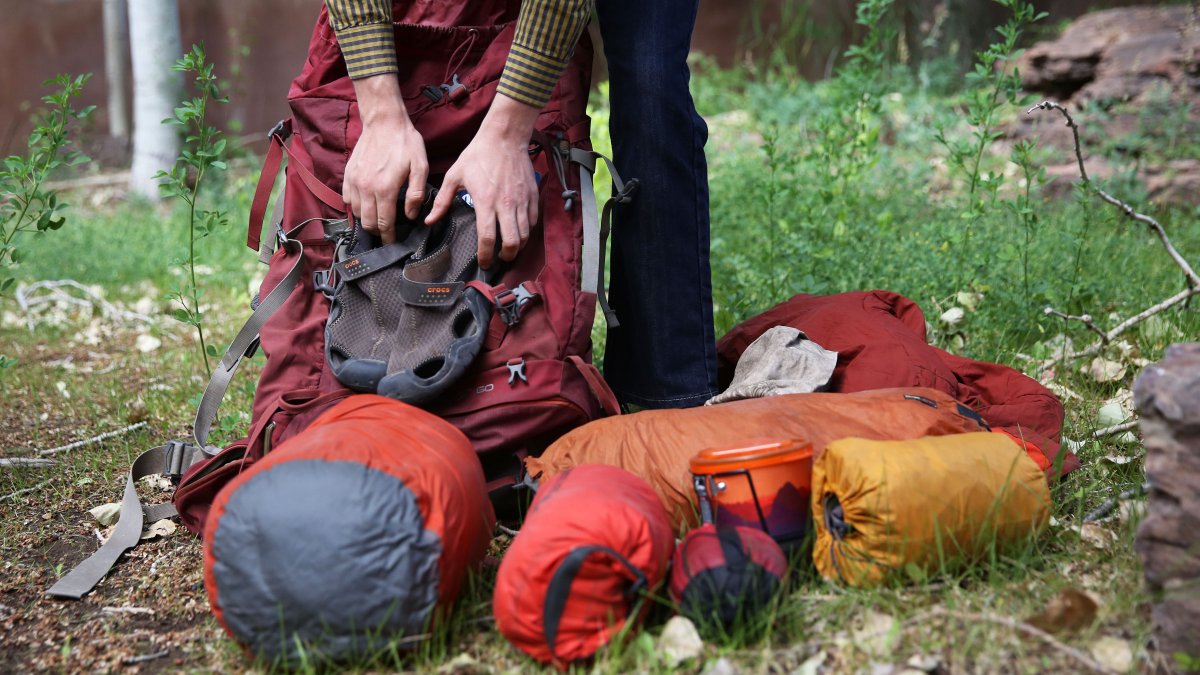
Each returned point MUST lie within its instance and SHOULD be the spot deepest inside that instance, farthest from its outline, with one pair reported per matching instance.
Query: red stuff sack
(351, 534)
(723, 577)
(595, 540)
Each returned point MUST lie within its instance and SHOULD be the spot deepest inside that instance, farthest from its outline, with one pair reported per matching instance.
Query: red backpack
(541, 332)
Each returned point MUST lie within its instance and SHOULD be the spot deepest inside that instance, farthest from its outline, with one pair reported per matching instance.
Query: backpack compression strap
(596, 234)
(176, 457)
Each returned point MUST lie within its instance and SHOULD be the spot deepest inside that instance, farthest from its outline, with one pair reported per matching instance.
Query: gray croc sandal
(402, 322)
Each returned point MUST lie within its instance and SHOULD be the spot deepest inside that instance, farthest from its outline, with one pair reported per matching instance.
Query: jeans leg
(663, 355)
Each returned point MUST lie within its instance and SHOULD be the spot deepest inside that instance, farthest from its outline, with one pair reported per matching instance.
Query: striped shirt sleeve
(547, 31)
(364, 33)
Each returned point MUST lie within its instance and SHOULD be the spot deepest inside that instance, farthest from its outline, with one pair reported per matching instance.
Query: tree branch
(1192, 279)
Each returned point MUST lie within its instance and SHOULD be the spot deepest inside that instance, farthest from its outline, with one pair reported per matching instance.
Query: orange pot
(762, 484)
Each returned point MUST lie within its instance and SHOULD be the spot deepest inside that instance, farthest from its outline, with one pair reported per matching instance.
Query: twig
(506, 530)
(1114, 429)
(18, 493)
(1022, 627)
(161, 558)
(28, 297)
(94, 439)
(134, 660)
(127, 609)
(1109, 504)
(1193, 280)
(28, 462)
(1085, 319)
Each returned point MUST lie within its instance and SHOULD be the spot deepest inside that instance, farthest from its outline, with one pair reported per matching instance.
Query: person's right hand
(389, 153)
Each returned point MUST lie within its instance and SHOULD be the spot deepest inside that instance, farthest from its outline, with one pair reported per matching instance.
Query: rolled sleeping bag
(938, 503)
(596, 540)
(658, 445)
(726, 576)
(348, 535)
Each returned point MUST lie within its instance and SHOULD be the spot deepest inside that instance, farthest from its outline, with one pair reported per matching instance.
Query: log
(1167, 395)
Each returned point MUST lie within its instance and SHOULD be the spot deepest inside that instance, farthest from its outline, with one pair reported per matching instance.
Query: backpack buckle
(277, 130)
(175, 460)
(516, 369)
(510, 303)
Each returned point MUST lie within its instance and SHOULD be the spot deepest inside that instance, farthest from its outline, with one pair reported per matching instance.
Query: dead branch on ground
(1191, 278)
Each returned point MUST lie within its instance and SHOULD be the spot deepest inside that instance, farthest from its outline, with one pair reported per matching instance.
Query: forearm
(379, 101)
(364, 33)
(547, 31)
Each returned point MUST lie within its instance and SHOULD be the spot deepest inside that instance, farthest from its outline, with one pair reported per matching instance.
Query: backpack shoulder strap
(176, 457)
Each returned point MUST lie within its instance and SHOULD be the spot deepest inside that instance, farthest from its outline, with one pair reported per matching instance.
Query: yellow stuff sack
(897, 509)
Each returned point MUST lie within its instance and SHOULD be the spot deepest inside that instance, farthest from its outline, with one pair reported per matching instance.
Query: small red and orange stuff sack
(596, 540)
(354, 532)
(888, 510)
(658, 445)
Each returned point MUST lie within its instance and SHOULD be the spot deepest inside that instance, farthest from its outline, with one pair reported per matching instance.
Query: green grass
(897, 227)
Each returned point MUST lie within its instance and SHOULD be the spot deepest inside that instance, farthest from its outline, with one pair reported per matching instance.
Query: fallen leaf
(812, 665)
(1112, 413)
(1104, 370)
(1131, 510)
(1119, 460)
(1073, 446)
(1127, 438)
(969, 301)
(1062, 392)
(877, 633)
(106, 514)
(926, 663)
(679, 641)
(147, 343)
(952, 316)
(62, 389)
(465, 664)
(1095, 535)
(1114, 653)
(159, 528)
(1069, 611)
(157, 481)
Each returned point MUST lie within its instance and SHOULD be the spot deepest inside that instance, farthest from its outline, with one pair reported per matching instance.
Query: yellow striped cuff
(369, 49)
(529, 76)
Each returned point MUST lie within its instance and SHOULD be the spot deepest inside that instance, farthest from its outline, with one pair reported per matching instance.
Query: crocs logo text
(438, 289)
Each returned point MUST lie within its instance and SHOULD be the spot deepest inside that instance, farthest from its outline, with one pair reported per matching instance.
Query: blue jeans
(663, 355)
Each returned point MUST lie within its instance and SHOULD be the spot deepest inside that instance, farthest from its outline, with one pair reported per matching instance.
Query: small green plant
(203, 150)
(25, 203)
(1022, 206)
(990, 87)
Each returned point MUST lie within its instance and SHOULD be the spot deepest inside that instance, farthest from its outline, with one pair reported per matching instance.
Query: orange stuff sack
(658, 445)
(356, 531)
(885, 510)
(595, 542)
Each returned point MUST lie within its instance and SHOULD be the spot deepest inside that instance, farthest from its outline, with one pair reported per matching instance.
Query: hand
(389, 153)
(496, 171)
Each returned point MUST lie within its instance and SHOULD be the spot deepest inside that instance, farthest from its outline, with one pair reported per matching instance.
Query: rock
(679, 641)
(721, 666)
(1167, 396)
(1135, 61)
(1114, 653)
(1132, 46)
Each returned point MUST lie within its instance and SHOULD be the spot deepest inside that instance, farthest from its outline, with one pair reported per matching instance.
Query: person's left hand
(496, 171)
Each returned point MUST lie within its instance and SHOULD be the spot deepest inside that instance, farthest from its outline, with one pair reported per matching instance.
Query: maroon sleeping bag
(881, 343)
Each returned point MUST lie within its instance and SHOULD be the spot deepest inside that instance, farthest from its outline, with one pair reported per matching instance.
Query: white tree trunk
(155, 43)
(116, 66)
